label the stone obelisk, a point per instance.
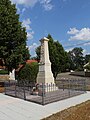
(45, 74)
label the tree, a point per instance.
(12, 36)
(53, 55)
(76, 56)
(57, 56)
(29, 72)
(87, 58)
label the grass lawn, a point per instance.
(78, 112)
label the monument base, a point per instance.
(45, 77)
(42, 89)
(46, 88)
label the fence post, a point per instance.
(24, 90)
(69, 88)
(51, 87)
(15, 90)
(63, 84)
(47, 87)
(5, 87)
(43, 93)
(84, 85)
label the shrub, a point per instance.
(29, 72)
(79, 69)
(3, 72)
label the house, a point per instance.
(22, 65)
(86, 64)
(31, 61)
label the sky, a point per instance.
(68, 21)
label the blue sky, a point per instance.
(68, 21)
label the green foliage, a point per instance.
(76, 58)
(3, 72)
(58, 56)
(79, 69)
(87, 58)
(56, 52)
(38, 52)
(12, 36)
(29, 72)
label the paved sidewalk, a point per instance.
(17, 109)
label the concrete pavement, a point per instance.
(17, 109)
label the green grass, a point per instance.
(3, 72)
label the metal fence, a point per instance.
(45, 93)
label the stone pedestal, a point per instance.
(45, 74)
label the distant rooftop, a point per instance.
(31, 61)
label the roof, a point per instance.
(28, 62)
(2, 67)
(86, 64)
(31, 61)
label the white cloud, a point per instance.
(88, 53)
(18, 10)
(31, 3)
(23, 10)
(86, 44)
(33, 46)
(70, 49)
(30, 35)
(27, 3)
(26, 23)
(32, 49)
(73, 31)
(46, 4)
(84, 52)
(83, 34)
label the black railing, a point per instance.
(45, 93)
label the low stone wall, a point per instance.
(2, 89)
(4, 77)
(81, 73)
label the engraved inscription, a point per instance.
(42, 53)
